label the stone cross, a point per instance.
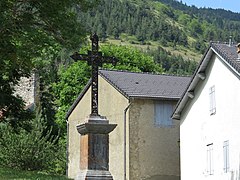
(95, 59)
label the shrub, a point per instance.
(30, 150)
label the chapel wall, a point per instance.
(154, 151)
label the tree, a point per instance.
(173, 64)
(31, 150)
(184, 19)
(28, 29)
(130, 59)
(71, 81)
(195, 27)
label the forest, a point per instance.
(168, 22)
(39, 37)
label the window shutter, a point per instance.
(226, 165)
(210, 159)
(163, 111)
(212, 100)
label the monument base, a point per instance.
(94, 175)
(96, 125)
(94, 151)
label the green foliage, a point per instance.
(195, 28)
(10, 173)
(221, 23)
(142, 19)
(167, 22)
(28, 29)
(184, 19)
(17, 116)
(130, 59)
(46, 73)
(173, 64)
(71, 82)
(30, 150)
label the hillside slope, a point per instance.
(182, 30)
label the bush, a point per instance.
(31, 150)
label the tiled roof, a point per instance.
(141, 85)
(146, 85)
(229, 53)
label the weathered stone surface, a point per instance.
(96, 125)
(163, 177)
(94, 175)
(94, 152)
(26, 89)
(95, 128)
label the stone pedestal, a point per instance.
(94, 152)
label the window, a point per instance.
(162, 115)
(210, 159)
(212, 100)
(226, 156)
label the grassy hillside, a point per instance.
(125, 40)
(172, 25)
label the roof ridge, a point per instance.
(150, 73)
(225, 43)
(230, 60)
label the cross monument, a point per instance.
(94, 140)
(95, 59)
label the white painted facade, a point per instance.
(203, 135)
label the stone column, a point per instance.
(94, 148)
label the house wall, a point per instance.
(154, 151)
(111, 105)
(199, 129)
(81, 111)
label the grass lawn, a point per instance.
(8, 173)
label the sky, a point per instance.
(232, 5)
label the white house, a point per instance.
(209, 114)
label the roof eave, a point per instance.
(197, 76)
(114, 85)
(155, 98)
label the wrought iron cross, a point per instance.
(95, 59)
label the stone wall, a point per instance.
(26, 89)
